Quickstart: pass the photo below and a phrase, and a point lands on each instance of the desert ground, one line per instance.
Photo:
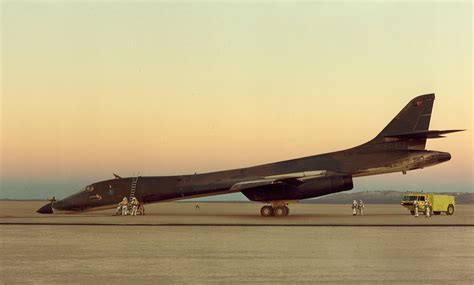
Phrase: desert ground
(231, 243)
(233, 214)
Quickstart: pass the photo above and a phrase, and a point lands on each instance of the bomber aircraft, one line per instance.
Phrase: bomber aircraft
(399, 147)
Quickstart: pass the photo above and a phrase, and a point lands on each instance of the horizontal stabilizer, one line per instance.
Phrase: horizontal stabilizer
(421, 135)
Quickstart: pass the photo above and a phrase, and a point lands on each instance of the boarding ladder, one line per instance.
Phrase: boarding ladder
(133, 188)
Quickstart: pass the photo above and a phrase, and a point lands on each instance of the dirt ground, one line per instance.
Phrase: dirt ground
(65, 254)
(24, 212)
(230, 243)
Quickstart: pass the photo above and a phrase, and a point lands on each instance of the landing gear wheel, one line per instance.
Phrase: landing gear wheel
(280, 211)
(266, 211)
(412, 212)
(450, 210)
(287, 210)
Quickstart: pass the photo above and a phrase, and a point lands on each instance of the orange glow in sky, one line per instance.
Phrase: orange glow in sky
(94, 88)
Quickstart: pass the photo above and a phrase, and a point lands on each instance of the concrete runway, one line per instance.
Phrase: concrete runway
(231, 243)
(235, 214)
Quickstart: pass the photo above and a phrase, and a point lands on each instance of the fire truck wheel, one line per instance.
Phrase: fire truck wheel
(450, 210)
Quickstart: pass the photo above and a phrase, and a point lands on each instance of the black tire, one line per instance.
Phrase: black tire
(279, 211)
(436, 212)
(450, 210)
(287, 210)
(412, 212)
(266, 211)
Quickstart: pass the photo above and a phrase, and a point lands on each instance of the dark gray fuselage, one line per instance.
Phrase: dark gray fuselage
(399, 147)
(359, 161)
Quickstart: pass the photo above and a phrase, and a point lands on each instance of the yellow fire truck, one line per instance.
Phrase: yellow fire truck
(438, 203)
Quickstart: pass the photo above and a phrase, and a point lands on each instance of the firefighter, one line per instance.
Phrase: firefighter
(124, 205)
(360, 207)
(415, 204)
(427, 209)
(135, 205)
(141, 209)
(354, 208)
(118, 211)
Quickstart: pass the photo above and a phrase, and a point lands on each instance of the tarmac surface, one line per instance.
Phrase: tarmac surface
(230, 243)
(236, 214)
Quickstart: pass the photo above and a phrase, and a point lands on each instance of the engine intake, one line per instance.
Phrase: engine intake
(310, 189)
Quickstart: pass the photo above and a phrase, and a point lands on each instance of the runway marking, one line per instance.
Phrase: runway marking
(238, 225)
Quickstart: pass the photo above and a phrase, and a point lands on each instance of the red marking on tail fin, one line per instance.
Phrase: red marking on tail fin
(419, 104)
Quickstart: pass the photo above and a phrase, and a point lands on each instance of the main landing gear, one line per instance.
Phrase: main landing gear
(275, 210)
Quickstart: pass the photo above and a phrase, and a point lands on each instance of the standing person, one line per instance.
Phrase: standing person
(354, 208)
(361, 207)
(118, 211)
(427, 209)
(197, 206)
(415, 204)
(124, 205)
(135, 205)
(141, 209)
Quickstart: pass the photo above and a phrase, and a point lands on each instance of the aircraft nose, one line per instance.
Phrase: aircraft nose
(46, 209)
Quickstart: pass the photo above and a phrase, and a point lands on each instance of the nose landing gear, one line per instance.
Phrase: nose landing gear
(277, 209)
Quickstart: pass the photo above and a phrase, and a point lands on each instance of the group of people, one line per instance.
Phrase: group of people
(357, 208)
(427, 205)
(136, 207)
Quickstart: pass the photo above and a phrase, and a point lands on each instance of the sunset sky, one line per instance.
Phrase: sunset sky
(91, 88)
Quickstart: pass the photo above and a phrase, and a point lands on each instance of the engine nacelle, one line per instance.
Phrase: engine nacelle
(310, 189)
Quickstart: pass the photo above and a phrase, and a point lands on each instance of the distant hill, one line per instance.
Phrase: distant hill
(372, 197)
(379, 197)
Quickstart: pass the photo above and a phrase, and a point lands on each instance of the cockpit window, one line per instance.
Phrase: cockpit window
(89, 188)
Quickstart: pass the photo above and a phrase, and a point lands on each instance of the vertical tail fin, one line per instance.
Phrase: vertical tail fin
(415, 117)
